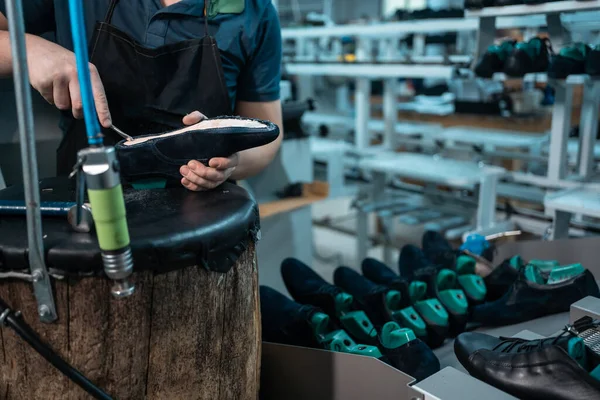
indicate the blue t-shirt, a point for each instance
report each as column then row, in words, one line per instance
column 249, row 42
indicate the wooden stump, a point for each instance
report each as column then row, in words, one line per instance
column 186, row 334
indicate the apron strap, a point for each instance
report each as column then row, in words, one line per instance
column 111, row 10
column 205, row 17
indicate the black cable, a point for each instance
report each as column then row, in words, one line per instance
column 31, row 337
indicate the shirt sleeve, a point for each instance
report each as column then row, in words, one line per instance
column 38, row 14
column 259, row 79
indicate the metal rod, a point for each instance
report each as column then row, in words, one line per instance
column 42, row 287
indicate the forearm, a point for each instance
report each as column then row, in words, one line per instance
column 253, row 161
column 31, row 41
column 5, row 57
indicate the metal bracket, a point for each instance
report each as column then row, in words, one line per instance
column 41, row 280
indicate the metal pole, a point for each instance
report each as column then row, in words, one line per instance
column 41, row 280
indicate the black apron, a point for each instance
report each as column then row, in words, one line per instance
column 149, row 90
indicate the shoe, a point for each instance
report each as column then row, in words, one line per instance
column 478, row 4
column 441, row 284
column 535, row 294
column 307, row 287
column 379, row 303
column 557, row 368
column 571, row 60
column 413, row 294
column 592, row 63
column 502, row 277
column 504, row 3
column 161, row 155
column 287, row 322
column 529, row 57
column 494, row 58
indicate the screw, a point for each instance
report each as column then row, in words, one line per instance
column 37, row 275
column 43, row 311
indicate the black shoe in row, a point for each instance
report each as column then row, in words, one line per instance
column 537, row 293
column 439, row 252
column 429, row 309
column 515, row 59
column 563, row 367
column 442, row 284
column 479, row 4
column 347, row 324
column 575, row 59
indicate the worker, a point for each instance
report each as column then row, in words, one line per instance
column 155, row 65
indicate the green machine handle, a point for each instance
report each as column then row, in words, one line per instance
column 101, row 170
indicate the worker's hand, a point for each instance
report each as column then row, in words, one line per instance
column 199, row 177
column 53, row 73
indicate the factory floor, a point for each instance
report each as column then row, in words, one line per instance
column 333, row 248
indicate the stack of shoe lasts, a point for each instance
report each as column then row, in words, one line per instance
column 414, row 294
column 442, row 283
column 399, row 347
column 515, row 60
column 563, row 367
column 538, row 290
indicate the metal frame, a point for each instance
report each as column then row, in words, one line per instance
column 39, row 274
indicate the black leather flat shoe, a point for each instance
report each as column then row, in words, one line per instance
column 561, row 367
column 535, row 294
column 161, row 155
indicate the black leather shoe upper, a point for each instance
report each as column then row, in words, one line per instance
column 381, row 274
column 547, row 373
column 370, row 296
column 526, row 300
column 414, row 358
column 307, row 287
column 284, row 321
column 162, row 156
column 500, row 280
column 437, row 249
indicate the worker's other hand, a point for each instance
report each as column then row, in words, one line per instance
column 199, row 177
column 53, row 73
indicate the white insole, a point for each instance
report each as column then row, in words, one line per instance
column 207, row 124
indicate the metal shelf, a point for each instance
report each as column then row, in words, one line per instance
column 372, row 70
column 458, row 174
column 544, row 8
column 542, row 77
column 575, row 201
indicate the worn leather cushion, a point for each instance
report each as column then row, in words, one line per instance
column 169, row 229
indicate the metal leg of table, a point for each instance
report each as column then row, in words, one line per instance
column 486, row 34
column 486, row 209
column 335, row 173
column 2, row 182
column 362, row 218
column 561, row 225
column 560, row 36
column 588, row 127
column 362, row 235
column 390, row 111
column 388, row 225
column 559, row 134
column 362, row 106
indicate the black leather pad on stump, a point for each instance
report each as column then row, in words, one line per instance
column 169, row 229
